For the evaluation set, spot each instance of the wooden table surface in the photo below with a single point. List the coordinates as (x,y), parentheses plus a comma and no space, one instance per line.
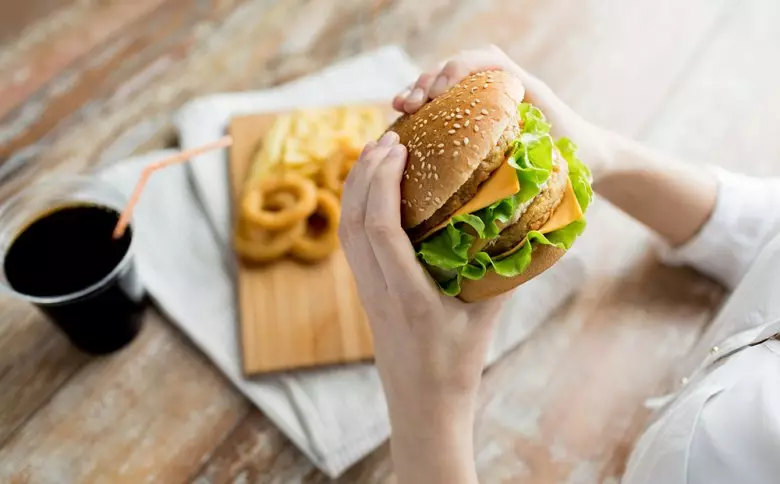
(87,82)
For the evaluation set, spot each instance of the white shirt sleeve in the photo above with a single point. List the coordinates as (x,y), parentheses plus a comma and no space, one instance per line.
(746,216)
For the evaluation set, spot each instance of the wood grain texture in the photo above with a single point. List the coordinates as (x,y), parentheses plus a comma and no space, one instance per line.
(693,78)
(293,315)
(36,359)
(146,414)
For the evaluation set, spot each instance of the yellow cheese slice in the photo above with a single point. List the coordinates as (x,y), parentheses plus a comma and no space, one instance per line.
(502,184)
(567,212)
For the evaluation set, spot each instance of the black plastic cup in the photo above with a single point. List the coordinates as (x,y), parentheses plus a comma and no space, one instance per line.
(58,253)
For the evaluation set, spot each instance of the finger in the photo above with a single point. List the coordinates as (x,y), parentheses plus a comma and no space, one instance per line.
(358,181)
(419,94)
(352,233)
(400,98)
(391,246)
(465,63)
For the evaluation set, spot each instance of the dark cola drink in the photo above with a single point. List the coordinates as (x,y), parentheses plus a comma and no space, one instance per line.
(66,261)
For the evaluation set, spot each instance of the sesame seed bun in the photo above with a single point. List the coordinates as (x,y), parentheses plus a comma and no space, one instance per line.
(455,143)
(449,138)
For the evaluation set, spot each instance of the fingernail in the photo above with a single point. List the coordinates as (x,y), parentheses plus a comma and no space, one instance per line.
(398,151)
(417,96)
(439,84)
(404,94)
(388,138)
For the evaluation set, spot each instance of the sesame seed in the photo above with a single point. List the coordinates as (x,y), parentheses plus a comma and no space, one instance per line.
(435,118)
(484,111)
(455,153)
(456,125)
(420,185)
(420,209)
(457,110)
(468,111)
(440,145)
(465,141)
(459,116)
(416,179)
(428,193)
(473,104)
(484,86)
(434,168)
(441,152)
(406,176)
(448,117)
(473,90)
(456,143)
(466,123)
(446,123)
(430,175)
(477,101)
(476,128)
(452,131)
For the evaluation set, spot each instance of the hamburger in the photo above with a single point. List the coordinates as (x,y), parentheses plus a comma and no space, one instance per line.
(488,198)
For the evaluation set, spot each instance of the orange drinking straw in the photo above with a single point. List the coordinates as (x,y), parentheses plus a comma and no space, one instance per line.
(127,213)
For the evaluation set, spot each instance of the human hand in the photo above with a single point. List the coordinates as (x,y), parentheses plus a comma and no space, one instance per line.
(430,348)
(596,146)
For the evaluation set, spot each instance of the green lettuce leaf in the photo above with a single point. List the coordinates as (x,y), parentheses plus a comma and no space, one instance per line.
(579,174)
(532,158)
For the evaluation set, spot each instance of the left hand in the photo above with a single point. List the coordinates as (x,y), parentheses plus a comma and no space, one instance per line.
(430,348)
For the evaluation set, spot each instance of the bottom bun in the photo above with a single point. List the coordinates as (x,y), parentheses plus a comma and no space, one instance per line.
(544,256)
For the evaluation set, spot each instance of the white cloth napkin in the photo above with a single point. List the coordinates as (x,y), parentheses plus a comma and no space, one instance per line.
(335,416)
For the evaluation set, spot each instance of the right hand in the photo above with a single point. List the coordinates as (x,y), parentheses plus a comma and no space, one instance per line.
(594,143)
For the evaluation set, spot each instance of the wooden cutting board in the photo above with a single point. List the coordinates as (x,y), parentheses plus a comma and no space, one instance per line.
(293,315)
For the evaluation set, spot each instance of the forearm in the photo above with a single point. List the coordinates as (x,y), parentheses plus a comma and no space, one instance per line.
(672,198)
(434,446)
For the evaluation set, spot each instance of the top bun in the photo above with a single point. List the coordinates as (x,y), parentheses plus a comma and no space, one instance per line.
(450,136)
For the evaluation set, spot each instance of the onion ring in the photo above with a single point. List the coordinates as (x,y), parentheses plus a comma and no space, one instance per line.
(255,244)
(255,205)
(318,243)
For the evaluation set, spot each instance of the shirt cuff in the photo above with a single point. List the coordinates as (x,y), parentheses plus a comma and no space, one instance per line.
(731,238)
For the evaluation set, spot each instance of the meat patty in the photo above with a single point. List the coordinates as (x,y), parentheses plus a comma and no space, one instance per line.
(537,213)
(467,191)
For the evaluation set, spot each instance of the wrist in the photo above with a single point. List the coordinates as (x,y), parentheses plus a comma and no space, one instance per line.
(602,152)
(434,443)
